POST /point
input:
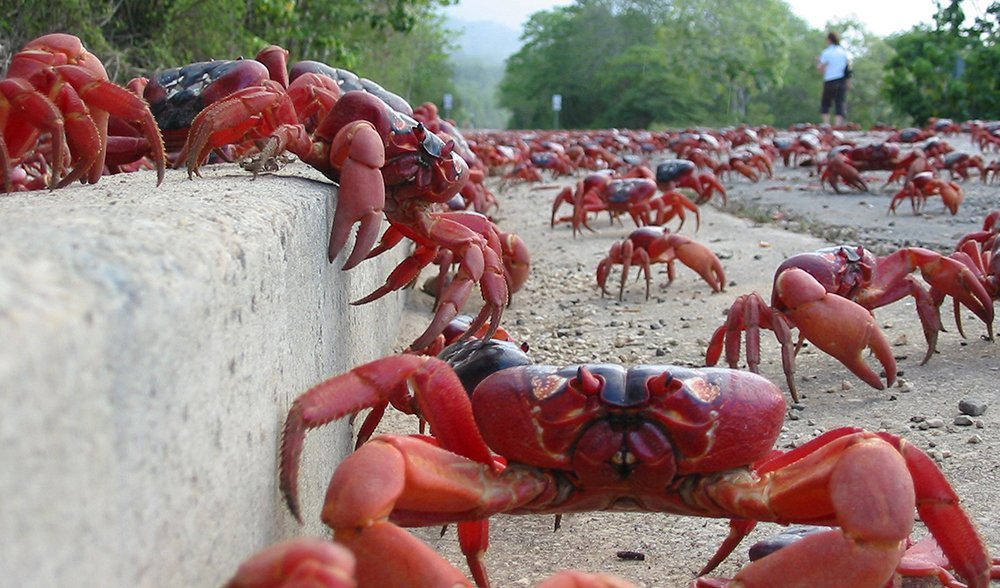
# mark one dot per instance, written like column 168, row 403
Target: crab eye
column 663, row 384
column 585, row 382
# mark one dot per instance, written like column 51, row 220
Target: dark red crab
column 550, row 440
column 388, row 165
column 55, row 107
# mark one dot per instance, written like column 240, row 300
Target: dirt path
column 564, row 319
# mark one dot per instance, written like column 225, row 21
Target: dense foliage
column 402, row 44
column 682, row 62
column 949, row 70
column 626, row 63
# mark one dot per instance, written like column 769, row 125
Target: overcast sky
column 881, row 17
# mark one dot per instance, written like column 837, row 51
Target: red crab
column 924, row 185
column 958, row 164
column 980, row 252
column 803, row 149
column 177, row 95
column 513, row 252
column 646, row 246
column 875, row 156
column 906, row 168
column 603, row 191
column 909, row 135
column 387, row 165
column 309, row 562
column 838, row 167
column 749, row 163
column 682, row 173
column 829, row 295
column 55, row 87
column 550, row 440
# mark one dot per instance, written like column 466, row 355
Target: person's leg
column 825, row 102
column 840, row 102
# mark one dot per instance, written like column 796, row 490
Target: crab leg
column 34, row 110
column 868, row 485
column 236, row 119
column 105, row 99
column 751, row 314
column 386, row 379
column 473, row 239
column 412, row 482
column 946, row 276
column 82, row 134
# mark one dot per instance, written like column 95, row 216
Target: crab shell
column 661, row 421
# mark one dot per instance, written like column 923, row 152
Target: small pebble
column 963, row 421
column 975, row 439
column 631, row 555
column 971, row 407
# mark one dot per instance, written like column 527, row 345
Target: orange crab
column 646, row 246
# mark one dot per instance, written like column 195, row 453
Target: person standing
column 833, row 63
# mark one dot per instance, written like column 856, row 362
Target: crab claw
column 360, row 153
column 304, row 561
column 835, row 325
column 34, row 109
column 710, row 184
column 516, row 260
column 839, row 167
column 692, row 254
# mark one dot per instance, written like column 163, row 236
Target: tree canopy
column 947, row 70
column 680, row 63
column 402, row 44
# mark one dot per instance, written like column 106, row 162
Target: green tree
column 426, row 74
column 645, row 90
column 741, row 46
column 983, row 66
column 567, row 51
column 403, row 40
column 679, row 62
column 948, row 70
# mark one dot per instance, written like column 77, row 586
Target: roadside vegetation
column 614, row 63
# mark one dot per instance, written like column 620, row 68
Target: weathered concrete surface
column 151, row 342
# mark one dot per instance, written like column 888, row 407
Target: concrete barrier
column 151, row 342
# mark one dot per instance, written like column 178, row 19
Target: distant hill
column 487, row 40
column 483, row 48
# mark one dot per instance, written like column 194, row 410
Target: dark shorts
column 834, row 92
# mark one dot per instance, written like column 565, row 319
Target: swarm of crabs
column 507, row 435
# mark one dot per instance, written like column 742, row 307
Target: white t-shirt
column 835, row 59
